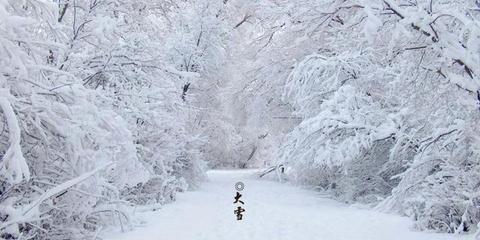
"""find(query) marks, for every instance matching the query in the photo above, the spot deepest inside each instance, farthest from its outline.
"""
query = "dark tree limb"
(245, 18)
(185, 90)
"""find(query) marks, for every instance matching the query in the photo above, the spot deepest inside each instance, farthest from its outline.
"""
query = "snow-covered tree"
(94, 120)
(387, 95)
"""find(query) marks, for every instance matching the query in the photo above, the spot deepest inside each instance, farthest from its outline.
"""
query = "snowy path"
(274, 211)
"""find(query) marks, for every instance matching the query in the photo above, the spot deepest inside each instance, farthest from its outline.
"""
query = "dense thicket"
(387, 93)
(96, 116)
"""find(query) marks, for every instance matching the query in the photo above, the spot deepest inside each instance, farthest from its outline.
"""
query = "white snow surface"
(274, 211)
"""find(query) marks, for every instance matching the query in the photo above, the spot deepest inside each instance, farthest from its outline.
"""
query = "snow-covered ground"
(273, 211)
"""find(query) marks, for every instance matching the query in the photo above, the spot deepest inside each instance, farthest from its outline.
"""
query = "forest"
(114, 108)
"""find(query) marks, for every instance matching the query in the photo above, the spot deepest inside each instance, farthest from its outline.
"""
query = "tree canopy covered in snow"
(111, 106)
(388, 97)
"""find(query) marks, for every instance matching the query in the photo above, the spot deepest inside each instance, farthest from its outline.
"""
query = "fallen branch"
(271, 169)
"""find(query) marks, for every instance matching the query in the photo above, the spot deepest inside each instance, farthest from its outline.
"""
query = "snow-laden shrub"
(367, 179)
(440, 187)
(347, 143)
